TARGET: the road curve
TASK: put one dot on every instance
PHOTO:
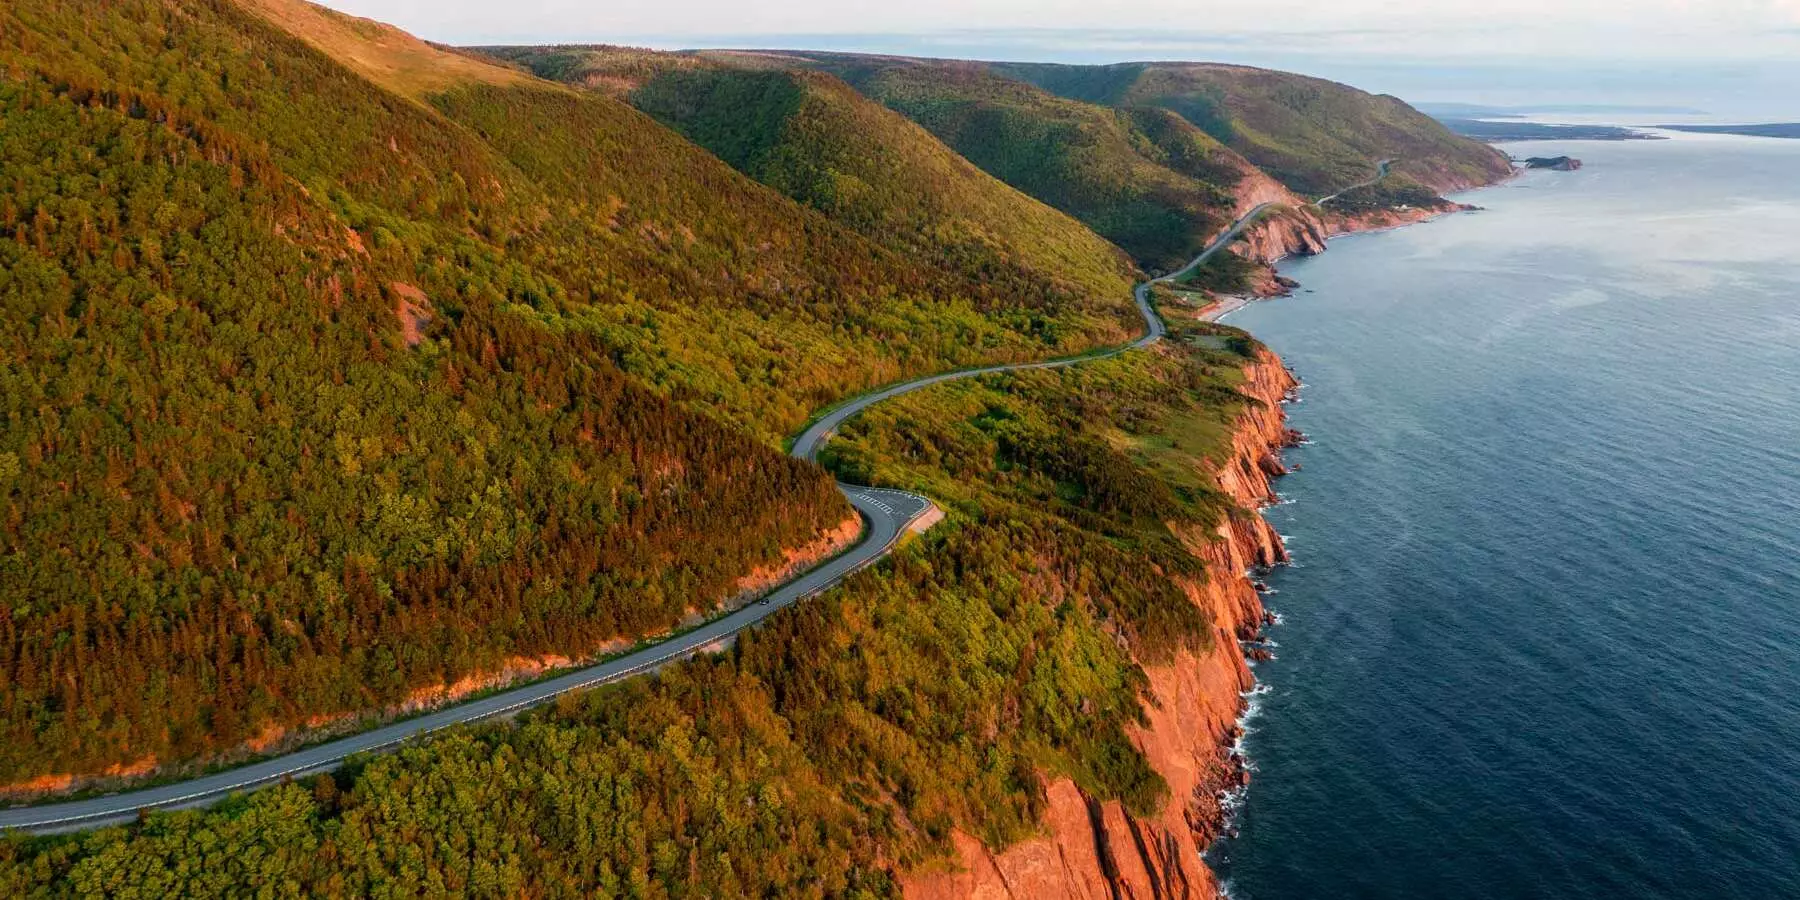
(886, 515)
(1381, 171)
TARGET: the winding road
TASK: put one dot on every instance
(886, 514)
(1381, 171)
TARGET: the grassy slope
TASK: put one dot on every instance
(1315, 136)
(815, 139)
(382, 53)
(233, 497)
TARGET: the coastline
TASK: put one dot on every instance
(1318, 239)
(1483, 445)
(1193, 714)
(1199, 705)
(885, 527)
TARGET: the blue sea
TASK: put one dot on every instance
(1543, 635)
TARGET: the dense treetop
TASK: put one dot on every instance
(829, 751)
(335, 365)
(317, 392)
(815, 139)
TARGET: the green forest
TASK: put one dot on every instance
(1159, 189)
(1148, 155)
(1313, 135)
(236, 493)
(834, 748)
(815, 139)
(336, 365)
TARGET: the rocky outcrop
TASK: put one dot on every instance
(1256, 188)
(1290, 232)
(1095, 850)
(1299, 228)
(413, 309)
(794, 560)
(1558, 163)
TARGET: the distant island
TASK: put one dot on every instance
(1773, 130)
(1486, 111)
(1501, 124)
(1559, 163)
(1495, 132)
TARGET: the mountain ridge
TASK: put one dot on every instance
(1150, 155)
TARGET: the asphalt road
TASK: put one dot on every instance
(886, 515)
(1219, 243)
(1381, 171)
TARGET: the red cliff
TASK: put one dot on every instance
(1299, 228)
(1294, 229)
(1096, 850)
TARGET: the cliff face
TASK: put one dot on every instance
(1294, 231)
(1301, 229)
(1297, 232)
(1096, 850)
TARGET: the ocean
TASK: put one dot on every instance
(1543, 634)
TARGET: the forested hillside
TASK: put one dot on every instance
(1157, 189)
(815, 139)
(832, 750)
(1155, 156)
(1313, 135)
(337, 366)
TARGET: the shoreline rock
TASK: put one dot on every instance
(1195, 702)
(1554, 163)
(1192, 710)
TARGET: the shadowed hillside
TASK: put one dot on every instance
(1315, 136)
(1159, 193)
(812, 137)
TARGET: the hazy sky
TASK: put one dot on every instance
(1727, 55)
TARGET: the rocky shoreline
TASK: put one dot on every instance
(1095, 849)
(1197, 703)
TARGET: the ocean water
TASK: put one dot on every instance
(1543, 638)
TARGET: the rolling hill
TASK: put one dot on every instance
(812, 137)
(1315, 136)
(1155, 188)
(1158, 157)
